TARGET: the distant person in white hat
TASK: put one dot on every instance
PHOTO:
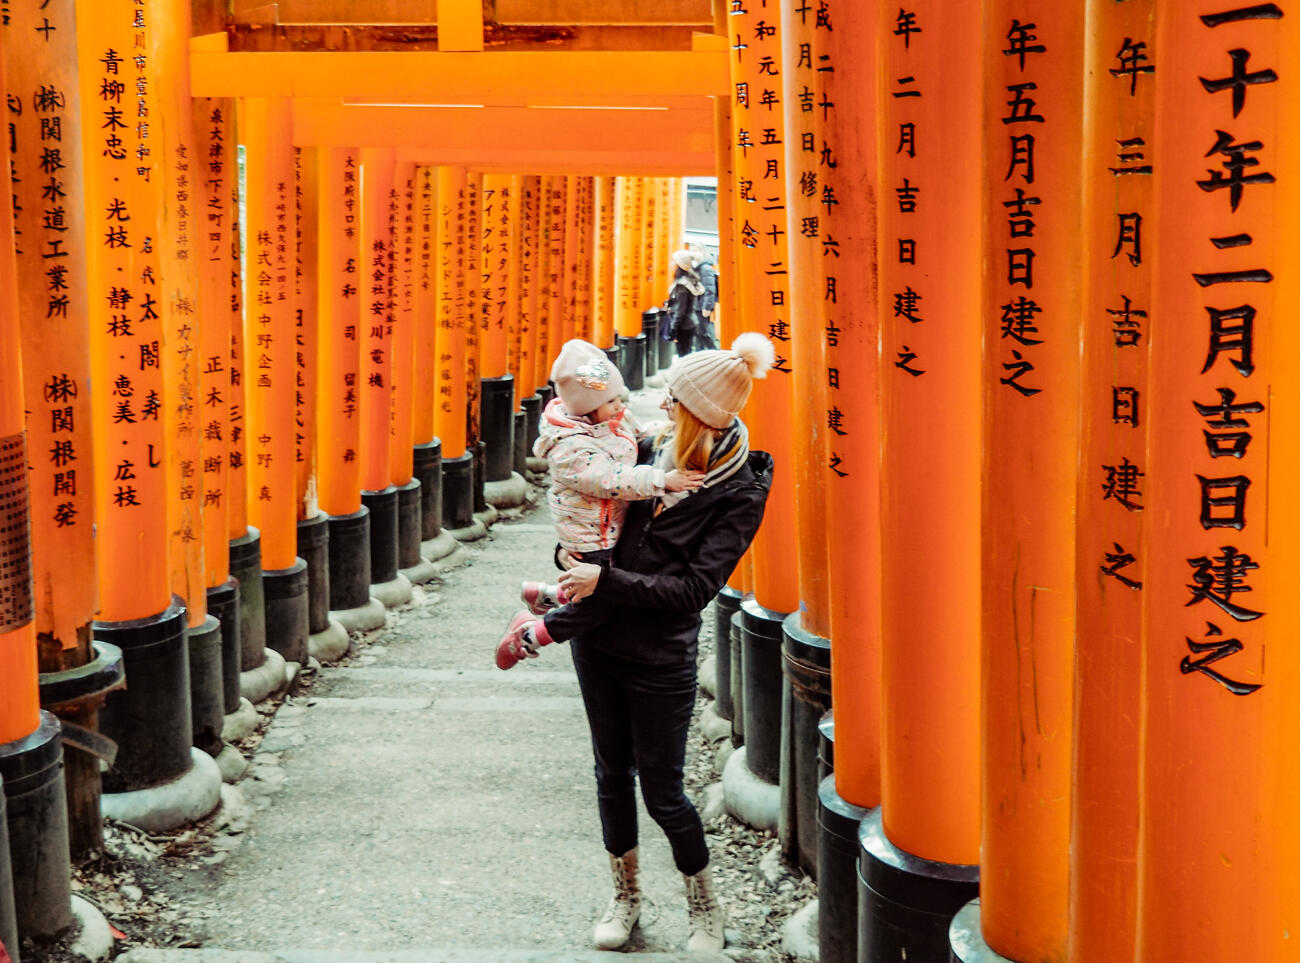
(682, 297)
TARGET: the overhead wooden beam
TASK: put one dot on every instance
(460, 25)
(256, 36)
(695, 12)
(494, 78)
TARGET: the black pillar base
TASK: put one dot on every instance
(725, 606)
(314, 549)
(906, 903)
(286, 610)
(458, 491)
(650, 328)
(498, 426)
(633, 367)
(383, 534)
(521, 449)
(532, 407)
(8, 915)
(223, 604)
(667, 353)
(805, 698)
(547, 393)
(737, 638)
(150, 719)
(760, 631)
(37, 820)
(410, 525)
(615, 354)
(246, 566)
(428, 470)
(966, 938)
(826, 745)
(837, 875)
(207, 688)
(349, 548)
(479, 451)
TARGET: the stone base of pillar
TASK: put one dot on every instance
(396, 591)
(421, 573)
(799, 934)
(725, 605)
(736, 639)
(633, 363)
(246, 568)
(159, 809)
(532, 408)
(349, 554)
(383, 533)
(223, 605)
(762, 638)
(94, 938)
(748, 797)
(329, 645)
(615, 355)
(232, 764)
(538, 466)
(509, 493)
(36, 814)
(667, 353)
(488, 516)
(314, 549)
(458, 491)
(837, 874)
(470, 533)
(427, 467)
(241, 723)
(363, 618)
(287, 601)
(439, 548)
(966, 939)
(906, 903)
(207, 690)
(268, 678)
(409, 524)
(805, 698)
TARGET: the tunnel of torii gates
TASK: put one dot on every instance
(1023, 262)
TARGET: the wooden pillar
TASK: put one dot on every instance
(498, 239)
(551, 336)
(237, 446)
(764, 268)
(530, 219)
(401, 222)
(376, 311)
(604, 279)
(569, 290)
(270, 328)
(653, 223)
(1219, 844)
(1117, 196)
(342, 287)
(469, 220)
(1033, 126)
(424, 385)
(627, 319)
(307, 328)
(50, 246)
(449, 414)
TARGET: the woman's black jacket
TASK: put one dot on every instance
(681, 308)
(667, 567)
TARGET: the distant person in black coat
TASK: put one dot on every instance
(682, 301)
(637, 670)
(705, 332)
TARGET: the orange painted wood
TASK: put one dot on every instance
(1218, 784)
(237, 447)
(426, 320)
(499, 239)
(376, 319)
(53, 318)
(449, 411)
(1031, 444)
(469, 259)
(341, 290)
(604, 279)
(306, 328)
(530, 241)
(401, 208)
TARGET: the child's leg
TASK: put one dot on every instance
(574, 618)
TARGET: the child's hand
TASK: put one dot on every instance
(683, 481)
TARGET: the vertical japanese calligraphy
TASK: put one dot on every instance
(424, 375)
(469, 223)
(401, 210)
(529, 239)
(376, 324)
(604, 279)
(306, 328)
(450, 398)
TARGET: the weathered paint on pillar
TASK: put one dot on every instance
(50, 246)
(424, 387)
(529, 237)
(340, 291)
(307, 328)
(1118, 196)
(124, 198)
(402, 224)
(469, 221)
(270, 327)
(376, 381)
(813, 249)
(20, 709)
(764, 267)
(449, 413)
(214, 173)
(1219, 790)
(1033, 128)
(498, 239)
(172, 124)
(604, 280)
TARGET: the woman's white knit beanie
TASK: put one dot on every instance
(714, 385)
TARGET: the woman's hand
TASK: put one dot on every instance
(580, 581)
(683, 481)
(566, 558)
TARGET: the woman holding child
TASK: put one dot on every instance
(634, 618)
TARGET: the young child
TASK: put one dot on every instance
(589, 441)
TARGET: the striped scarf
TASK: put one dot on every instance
(730, 452)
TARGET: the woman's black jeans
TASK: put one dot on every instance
(639, 715)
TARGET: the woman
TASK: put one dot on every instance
(682, 300)
(637, 671)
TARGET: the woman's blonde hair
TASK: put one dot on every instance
(692, 440)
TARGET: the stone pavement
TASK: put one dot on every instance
(418, 804)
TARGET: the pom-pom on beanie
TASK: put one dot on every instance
(714, 385)
(584, 377)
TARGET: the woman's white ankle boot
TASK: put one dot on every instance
(706, 916)
(615, 927)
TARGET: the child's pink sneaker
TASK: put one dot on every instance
(541, 597)
(523, 637)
